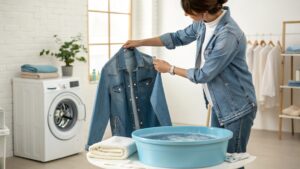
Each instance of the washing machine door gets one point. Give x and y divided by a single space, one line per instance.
65 115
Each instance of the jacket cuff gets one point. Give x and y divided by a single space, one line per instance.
167 41
190 74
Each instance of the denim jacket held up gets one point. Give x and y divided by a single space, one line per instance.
113 100
225 70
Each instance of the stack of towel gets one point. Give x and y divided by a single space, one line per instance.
294 83
292 111
38 71
293 49
114 148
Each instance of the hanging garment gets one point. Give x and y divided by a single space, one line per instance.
130 94
263 55
249 57
255 69
271 79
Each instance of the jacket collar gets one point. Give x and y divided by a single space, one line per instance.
224 19
132 52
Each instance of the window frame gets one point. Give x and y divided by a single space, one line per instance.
109 43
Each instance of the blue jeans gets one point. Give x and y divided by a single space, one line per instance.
241 129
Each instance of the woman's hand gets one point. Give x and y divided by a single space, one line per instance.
132 43
161 65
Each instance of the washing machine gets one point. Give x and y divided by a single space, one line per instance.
48 117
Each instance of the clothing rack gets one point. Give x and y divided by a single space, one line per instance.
264 42
270 34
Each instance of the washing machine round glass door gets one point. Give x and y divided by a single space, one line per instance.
65 115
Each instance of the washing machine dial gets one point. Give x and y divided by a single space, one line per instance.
62 86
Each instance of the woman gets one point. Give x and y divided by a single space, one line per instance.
220 66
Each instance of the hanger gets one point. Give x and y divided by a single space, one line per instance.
255 43
271 43
249 42
263 43
279 44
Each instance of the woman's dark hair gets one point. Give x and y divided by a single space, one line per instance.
200 6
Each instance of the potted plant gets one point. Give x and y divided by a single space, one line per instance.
67 52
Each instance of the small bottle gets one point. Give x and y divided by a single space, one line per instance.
98 76
298 74
94 75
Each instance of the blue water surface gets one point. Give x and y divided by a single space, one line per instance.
179 137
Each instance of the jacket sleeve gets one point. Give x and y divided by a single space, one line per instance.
219 58
181 37
101 112
159 103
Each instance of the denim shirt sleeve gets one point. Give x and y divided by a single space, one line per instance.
181 37
101 112
159 103
220 57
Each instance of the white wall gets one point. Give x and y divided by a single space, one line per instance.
26 27
254 17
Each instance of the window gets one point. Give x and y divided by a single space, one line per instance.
109 27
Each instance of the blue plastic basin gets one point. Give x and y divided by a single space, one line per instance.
176 147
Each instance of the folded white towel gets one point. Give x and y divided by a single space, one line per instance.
114 148
292 111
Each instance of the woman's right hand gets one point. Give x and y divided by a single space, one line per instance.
132 43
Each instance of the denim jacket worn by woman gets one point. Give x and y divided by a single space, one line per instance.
225 70
114 102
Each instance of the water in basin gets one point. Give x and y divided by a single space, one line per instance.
179 137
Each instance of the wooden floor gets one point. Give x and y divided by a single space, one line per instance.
271 154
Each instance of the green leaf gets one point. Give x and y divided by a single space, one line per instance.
67 50
42 52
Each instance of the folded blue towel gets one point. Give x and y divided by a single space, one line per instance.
38 68
292 49
294 83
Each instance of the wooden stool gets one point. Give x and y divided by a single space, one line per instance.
208 115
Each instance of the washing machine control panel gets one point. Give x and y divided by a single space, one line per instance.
74 83
63 85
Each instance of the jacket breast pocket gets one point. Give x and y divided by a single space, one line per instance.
145 87
147 82
117 89
117 95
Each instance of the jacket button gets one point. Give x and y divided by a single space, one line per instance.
134 84
141 123
136 97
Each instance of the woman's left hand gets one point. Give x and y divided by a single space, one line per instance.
161 65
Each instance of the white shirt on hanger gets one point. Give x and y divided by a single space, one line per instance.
255 69
271 79
249 57
263 54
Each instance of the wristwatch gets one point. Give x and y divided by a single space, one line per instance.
171 71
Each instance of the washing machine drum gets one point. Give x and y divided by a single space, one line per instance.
65 115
